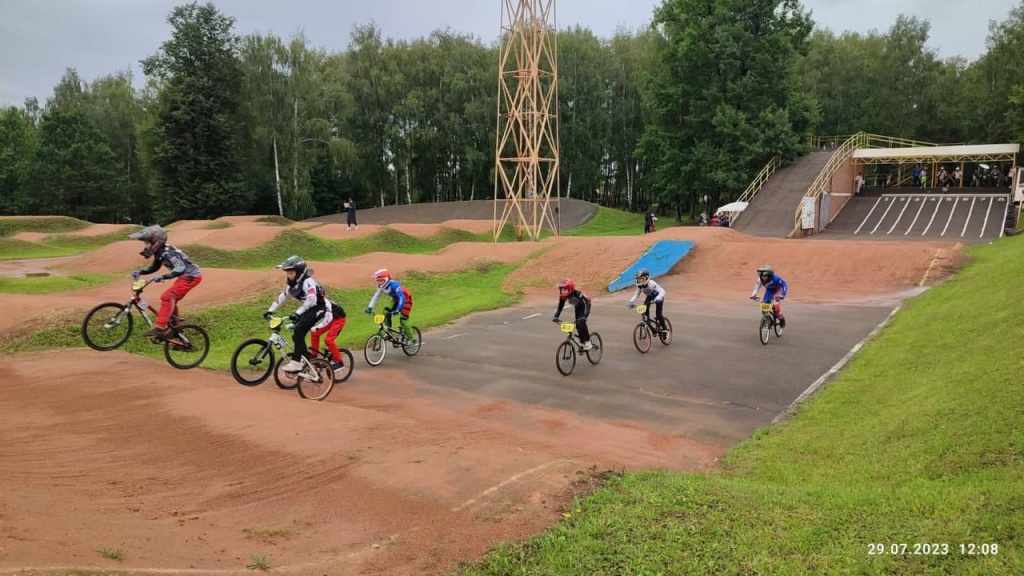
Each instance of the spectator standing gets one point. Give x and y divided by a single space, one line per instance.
350 208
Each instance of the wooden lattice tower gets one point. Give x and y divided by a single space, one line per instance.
526 158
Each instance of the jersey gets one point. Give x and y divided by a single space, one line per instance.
400 296
652 290
774 287
174 260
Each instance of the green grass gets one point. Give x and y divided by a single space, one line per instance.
614 222
218 225
47 284
438 299
112 554
46 224
919 441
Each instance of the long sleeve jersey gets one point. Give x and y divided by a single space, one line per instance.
775 286
176 261
652 289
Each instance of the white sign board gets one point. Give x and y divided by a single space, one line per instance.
1018 185
807 212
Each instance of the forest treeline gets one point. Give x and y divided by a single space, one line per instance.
681 114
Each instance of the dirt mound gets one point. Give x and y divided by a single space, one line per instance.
358 272
242 219
474 226
101 229
335 231
242 235
121 256
592 263
181 225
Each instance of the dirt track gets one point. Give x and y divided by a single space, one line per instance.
397 472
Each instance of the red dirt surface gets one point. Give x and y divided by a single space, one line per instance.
30 236
101 229
188 472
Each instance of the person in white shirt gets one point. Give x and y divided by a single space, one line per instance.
653 292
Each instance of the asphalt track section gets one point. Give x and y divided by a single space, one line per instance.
716 383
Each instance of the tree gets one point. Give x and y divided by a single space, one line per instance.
75 173
17 150
196 155
728 98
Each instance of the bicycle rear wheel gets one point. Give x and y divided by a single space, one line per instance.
642 338
375 350
666 336
765 330
320 388
188 347
107 326
413 349
595 353
252 362
285 380
565 358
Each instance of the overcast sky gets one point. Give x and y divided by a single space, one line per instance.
40 38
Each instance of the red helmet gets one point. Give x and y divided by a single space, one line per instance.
382 276
565 287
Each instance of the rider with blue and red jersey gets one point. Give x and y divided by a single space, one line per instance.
775 290
401 300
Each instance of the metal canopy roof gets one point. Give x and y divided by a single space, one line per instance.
962 153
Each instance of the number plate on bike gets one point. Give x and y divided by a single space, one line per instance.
766 306
138 284
378 319
275 322
568 326
641 309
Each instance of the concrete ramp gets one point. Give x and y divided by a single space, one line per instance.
962 217
771 211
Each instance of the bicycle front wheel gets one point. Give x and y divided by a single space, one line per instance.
107 326
765 329
188 348
320 387
375 350
252 362
565 359
414 348
641 338
777 325
595 353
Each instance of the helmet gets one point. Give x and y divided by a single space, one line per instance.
642 276
566 287
298 264
382 277
766 270
155 238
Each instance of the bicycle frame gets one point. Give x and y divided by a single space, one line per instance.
388 332
281 343
570 329
146 311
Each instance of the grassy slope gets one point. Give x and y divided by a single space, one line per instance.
48 284
438 299
920 440
612 222
56 245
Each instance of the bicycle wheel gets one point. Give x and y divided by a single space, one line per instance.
565 359
595 354
188 347
317 390
641 338
412 349
666 336
347 364
107 326
285 380
375 350
766 328
777 326
252 362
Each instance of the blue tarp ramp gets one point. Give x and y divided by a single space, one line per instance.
659 259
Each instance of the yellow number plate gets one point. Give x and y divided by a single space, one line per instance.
766 306
378 319
138 284
275 322
568 326
641 309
